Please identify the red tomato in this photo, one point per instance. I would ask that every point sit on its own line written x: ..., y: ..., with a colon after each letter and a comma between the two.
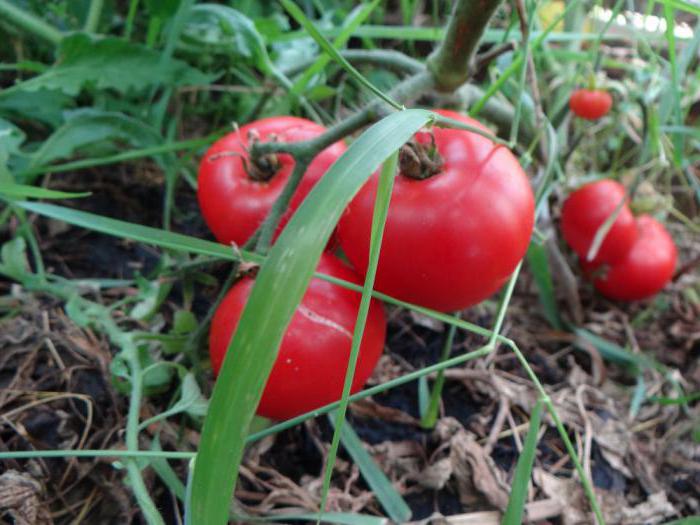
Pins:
x: 232, y: 202
x: 452, y: 239
x: 312, y: 360
x: 590, y: 104
x: 646, y: 269
x: 586, y: 209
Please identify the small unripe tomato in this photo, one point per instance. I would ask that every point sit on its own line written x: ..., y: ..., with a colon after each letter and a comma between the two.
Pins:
x: 235, y: 195
x: 645, y: 270
x: 590, y: 104
x: 310, y: 368
x: 587, y: 209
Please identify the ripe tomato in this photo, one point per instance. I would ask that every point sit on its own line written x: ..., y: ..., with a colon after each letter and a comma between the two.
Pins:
x: 586, y: 209
x: 590, y: 104
x: 310, y: 368
x: 646, y: 269
x: 453, y: 238
x: 233, y: 202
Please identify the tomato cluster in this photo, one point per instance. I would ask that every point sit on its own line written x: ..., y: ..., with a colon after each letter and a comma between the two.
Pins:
x: 460, y: 220
x: 637, y: 257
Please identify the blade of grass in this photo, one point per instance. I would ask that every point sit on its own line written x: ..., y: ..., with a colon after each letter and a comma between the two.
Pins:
x: 289, y: 268
x: 539, y: 266
x: 321, y: 40
x: 523, y: 470
x: 355, y: 20
x: 22, y: 191
x: 392, y: 502
x: 677, y: 139
x: 429, y: 417
x: 381, y: 210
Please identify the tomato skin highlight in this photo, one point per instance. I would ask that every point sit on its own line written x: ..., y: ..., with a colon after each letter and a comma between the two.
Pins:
x: 586, y: 209
x: 647, y: 268
x: 232, y: 203
x: 453, y: 239
x: 310, y: 368
x: 590, y: 104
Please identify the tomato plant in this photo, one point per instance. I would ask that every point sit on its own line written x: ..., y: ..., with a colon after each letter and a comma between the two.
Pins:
x: 645, y: 270
x: 235, y: 194
x: 310, y: 368
x: 590, y: 104
x: 587, y: 209
x: 460, y: 220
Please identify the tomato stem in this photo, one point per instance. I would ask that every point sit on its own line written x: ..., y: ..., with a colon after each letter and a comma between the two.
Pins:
x: 450, y: 63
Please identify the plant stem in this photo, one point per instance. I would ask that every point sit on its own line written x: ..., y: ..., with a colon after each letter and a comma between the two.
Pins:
x: 386, y: 58
x: 93, y: 16
x: 131, y: 14
x: 450, y: 62
x: 431, y: 414
x: 29, y: 22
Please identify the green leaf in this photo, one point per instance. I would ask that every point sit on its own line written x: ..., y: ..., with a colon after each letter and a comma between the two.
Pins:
x: 11, y: 138
x: 165, y: 471
x: 137, y: 232
x: 613, y: 352
x: 89, y: 127
x: 44, y: 105
x: 35, y: 192
x: 354, y: 20
x: 13, y: 255
x: 392, y: 502
x: 191, y: 399
x: 322, y: 41
x: 162, y: 8
x: 539, y: 266
x: 523, y: 471
x: 338, y: 518
x: 110, y: 63
x: 691, y: 520
x: 152, y: 295
x: 226, y: 29
x: 289, y: 267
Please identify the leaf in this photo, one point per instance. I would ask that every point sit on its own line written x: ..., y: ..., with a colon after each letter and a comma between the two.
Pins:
x: 11, y: 138
x: 191, y: 399
x: 338, y: 518
x: 523, y: 471
x: 289, y: 268
x: 539, y: 266
x: 35, y: 192
x: 14, y: 258
x: 394, y: 505
x: 110, y: 63
x: 88, y: 127
x: 162, y: 8
x: 227, y: 29
x: 152, y: 294
x: 137, y: 232
x: 322, y: 41
x: 43, y: 105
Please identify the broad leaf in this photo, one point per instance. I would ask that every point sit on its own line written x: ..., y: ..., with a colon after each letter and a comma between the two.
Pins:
x: 110, y: 63
x: 88, y: 127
